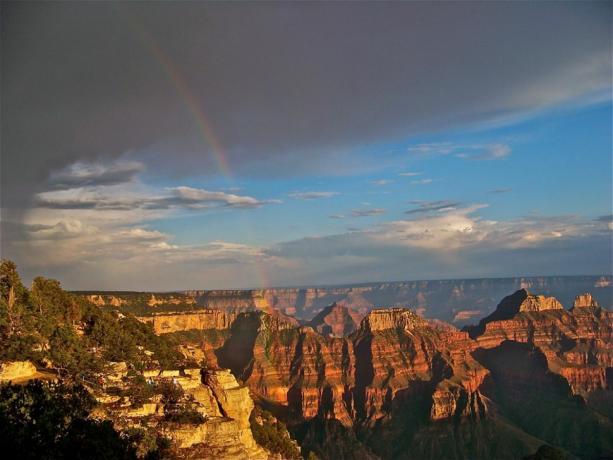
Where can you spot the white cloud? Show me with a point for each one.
(422, 181)
(312, 195)
(485, 152)
(494, 151)
(448, 240)
(382, 182)
(410, 174)
(175, 197)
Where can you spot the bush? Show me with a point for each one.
(273, 435)
(185, 415)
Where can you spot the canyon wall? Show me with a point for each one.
(458, 301)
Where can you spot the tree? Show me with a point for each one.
(13, 297)
(51, 301)
(50, 421)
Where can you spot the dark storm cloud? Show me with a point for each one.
(283, 85)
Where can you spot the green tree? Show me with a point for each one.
(51, 301)
(49, 421)
(13, 299)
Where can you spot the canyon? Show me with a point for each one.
(460, 302)
(403, 386)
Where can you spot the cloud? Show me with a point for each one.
(432, 206)
(455, 243)
(410, 174)
(382, 182)
(464, 151)
(607, 219)
(456, 229)
(367, 212)
(177, 197)
(337, 216)
(432, 148)
(422, 182)
(452, 243)
(501, 190)
(80, 175)
(312, 195)
(485, 152)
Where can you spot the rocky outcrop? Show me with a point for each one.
(17, 370)
(585, 301)
(336, 321)
(578, 344)
(164, 323)
(226, 406)
(520, 301)
(392, 318)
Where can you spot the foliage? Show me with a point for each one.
(139, 391)
(68, 352)
(184, 415)
(148, 443)
(171, 393)
(546, 452)
(273, 435)
(77, 336)
(49, 421)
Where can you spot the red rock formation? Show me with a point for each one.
(164, 323)
(585, 301)
(578, 344)
(336, 321)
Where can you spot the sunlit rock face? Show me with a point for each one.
(585, 301)
(164, 323)
(226, 406)
(336, 321)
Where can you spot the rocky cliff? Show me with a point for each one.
(164, 323)
(223, 432)
(578, 344)
(336, 321)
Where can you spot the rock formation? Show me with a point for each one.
(164, 323)
(225, 431)
(336, 321)
(16, 370)
(585, 301)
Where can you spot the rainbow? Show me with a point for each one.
(203, 124)
(177, 80)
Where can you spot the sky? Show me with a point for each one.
(178, 145)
